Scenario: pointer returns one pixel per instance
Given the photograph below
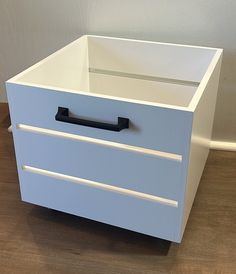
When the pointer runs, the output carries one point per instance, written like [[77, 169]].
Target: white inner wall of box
[[126, 85], [122, 71]]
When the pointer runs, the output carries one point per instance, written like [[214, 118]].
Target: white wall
[[32, 29]]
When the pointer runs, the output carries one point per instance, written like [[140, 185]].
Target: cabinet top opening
[[166, 75]]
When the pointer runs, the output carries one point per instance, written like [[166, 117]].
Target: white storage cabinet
[[116, 130]]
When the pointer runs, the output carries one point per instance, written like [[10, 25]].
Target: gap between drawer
[[157, 153], [144, 77], [82, 181]]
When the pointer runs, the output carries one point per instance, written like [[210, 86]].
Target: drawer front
[[105, 206], [115, 166], [152, 127]]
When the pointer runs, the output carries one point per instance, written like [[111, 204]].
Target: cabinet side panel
[[148, 58], [66, 68], [200, 140]]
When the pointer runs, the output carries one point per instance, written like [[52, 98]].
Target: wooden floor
[[38, 240]]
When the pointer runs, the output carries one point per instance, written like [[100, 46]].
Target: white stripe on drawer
[[161, 154], [103, 186]]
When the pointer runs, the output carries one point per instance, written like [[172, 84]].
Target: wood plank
[[4, 115]]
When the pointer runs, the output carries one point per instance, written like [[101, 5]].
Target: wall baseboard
[[218, 145]]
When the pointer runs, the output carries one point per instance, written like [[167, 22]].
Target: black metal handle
[[63, 116]]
